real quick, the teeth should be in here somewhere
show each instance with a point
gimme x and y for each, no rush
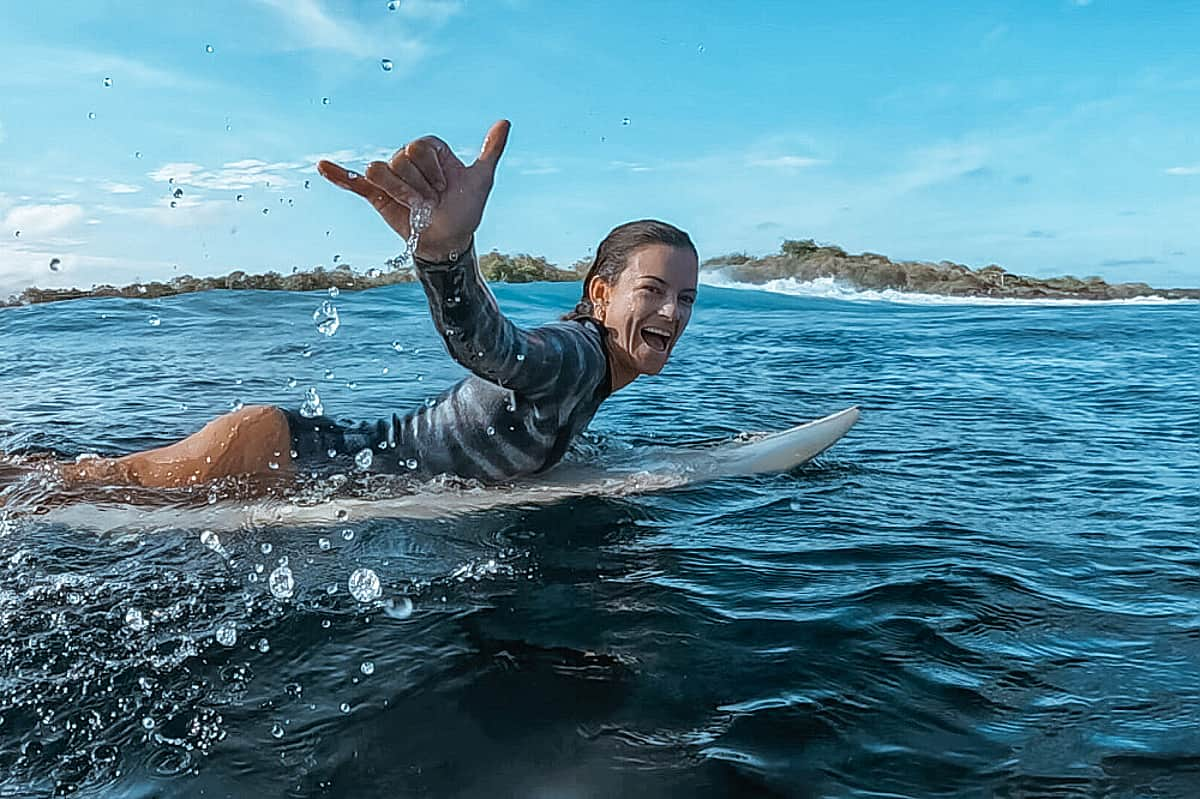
(658, 330)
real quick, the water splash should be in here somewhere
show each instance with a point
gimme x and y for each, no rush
(282, 582)
(311, 407)
(326, 318)
(364, 585)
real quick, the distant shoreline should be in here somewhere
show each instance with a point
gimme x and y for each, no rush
(800, 259)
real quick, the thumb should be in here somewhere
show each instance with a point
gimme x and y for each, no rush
(493, 145)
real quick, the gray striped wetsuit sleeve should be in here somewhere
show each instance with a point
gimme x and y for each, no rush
(478, 336)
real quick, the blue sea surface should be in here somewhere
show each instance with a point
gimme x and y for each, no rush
(989, 588)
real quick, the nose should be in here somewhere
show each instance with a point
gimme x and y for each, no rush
(670, 309)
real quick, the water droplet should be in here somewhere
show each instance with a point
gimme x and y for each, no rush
(291, 382)
(265, 547)
(174, 204)
(236, 404)
(154, 320)
(520, 356)
(107, 82)
(294, 690)
(625, 122)
(324, 101)
(324, 543)
(329, 374)
(147, 723)
(276, 730)
(266, 211)
(363, 459)
(411, 464)
(135, 620)
(91, 114)
(240, 197)
(263, 645)
(364, 585)
(326, 318)
(334, 290)
(210, 540)
(55, 263)
(383, 371)
(347, 534)
(491, 431)
(342, 514)
(386, 63)
(367, 668)
(227, 636)
(311, 406)
(208, 48)
(177, 193)
(272, 465)
(137, 154)
(326, 624)
(331, 452)
(351, 385)
(393, 5)
(344, 707)
(399, 608)
(307, 183)
(700, 48)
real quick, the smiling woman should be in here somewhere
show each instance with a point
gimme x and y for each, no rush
(530, 392)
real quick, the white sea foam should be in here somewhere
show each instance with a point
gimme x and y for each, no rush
(832, 289)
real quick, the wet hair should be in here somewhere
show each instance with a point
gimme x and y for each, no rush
(613, 254)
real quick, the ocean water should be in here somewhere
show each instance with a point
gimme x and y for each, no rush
(990, 588)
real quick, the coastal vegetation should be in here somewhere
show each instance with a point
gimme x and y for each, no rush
(798, 259)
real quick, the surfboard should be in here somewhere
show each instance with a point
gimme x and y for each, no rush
(645, 471)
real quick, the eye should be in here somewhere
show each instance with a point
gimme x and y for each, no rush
(653, 289)
(687, 299)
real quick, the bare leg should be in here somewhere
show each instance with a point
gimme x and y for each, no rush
(253, 440)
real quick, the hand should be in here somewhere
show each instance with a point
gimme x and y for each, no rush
(427, 172)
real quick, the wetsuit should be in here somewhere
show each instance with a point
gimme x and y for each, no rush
(531, 392)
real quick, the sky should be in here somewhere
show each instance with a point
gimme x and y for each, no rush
(1048, 136)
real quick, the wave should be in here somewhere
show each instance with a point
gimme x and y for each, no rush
(832, 289)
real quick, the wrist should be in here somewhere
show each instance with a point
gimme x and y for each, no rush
(444, 252)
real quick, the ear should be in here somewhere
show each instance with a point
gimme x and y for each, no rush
(598, 292)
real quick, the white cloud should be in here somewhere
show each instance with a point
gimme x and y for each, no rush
(244, 174)
(786, 162)
(39, 220)
(1183, 170)
(349, 157)
(313, 27)
(541, 170)
(39, 66)
(632, 166)
(120, 188)
(435, 11)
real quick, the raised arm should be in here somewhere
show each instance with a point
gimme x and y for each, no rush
(482, 339)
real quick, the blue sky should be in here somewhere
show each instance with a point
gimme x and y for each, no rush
(1051, 137)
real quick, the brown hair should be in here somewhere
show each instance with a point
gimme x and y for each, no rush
(612, 256)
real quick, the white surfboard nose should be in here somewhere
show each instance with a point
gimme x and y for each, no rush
(781, 452)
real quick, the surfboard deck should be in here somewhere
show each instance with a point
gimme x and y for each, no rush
(653, 470)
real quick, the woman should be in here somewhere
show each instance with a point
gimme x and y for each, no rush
(530, 392)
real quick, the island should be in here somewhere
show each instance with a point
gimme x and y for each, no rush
(800, 259)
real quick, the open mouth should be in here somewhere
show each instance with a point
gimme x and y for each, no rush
(656, 338)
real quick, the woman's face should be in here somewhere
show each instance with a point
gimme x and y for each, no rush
(646, 309)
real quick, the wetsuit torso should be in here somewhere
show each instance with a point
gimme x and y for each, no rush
(531, 392)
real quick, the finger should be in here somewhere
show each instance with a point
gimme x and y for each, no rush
(424, 156)
(493, 145)
(447, 160)
(410, 173)
(394, 213)
(385, 178)
(345, 179)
